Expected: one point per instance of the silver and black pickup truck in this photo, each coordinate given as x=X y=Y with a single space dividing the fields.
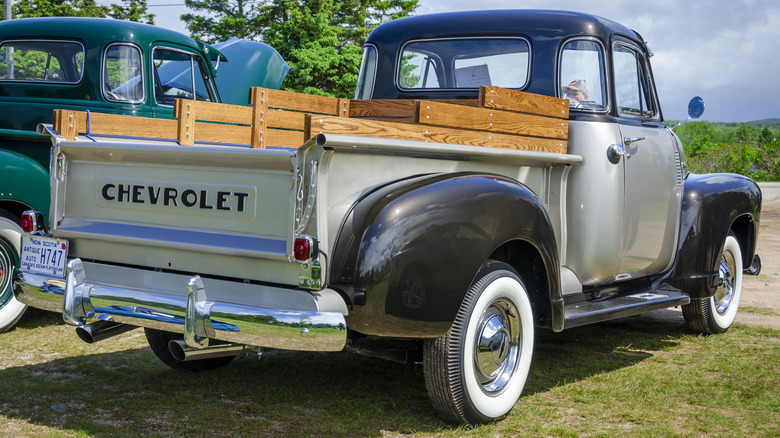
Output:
x=498 y=173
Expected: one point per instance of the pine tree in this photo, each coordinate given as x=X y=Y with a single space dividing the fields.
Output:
x=321 y=39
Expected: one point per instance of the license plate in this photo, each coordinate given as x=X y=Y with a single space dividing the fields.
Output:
x=44 y=255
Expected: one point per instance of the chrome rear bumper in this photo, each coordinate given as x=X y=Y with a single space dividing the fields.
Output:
x=247 y=314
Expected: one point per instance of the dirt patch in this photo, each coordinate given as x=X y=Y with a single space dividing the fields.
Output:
x=761 y=294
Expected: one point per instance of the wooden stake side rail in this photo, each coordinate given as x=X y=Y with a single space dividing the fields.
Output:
x=501 y=118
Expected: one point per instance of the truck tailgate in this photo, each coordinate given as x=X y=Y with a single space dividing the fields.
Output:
x=217 y=210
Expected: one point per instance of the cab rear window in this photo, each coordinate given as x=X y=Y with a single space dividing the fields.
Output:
x=41 y=61
x=464 y=63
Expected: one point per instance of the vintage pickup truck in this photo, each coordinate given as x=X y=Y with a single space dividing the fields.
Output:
x=101 y=65
x=498 y=173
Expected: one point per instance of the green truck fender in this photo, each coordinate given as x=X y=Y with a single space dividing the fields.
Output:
x=23 y=182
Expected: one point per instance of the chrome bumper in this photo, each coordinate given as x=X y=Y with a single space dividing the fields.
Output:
x=247 y=314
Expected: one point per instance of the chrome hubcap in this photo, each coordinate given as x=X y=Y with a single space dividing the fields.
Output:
x=497 y=346
x=724 y=294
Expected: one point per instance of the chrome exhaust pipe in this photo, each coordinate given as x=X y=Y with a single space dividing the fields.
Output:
x=97 y=331
x=183 y=353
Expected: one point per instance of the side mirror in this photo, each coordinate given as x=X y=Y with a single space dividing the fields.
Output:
x=695 y=110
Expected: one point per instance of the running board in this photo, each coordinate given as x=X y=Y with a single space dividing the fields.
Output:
x=589 y=312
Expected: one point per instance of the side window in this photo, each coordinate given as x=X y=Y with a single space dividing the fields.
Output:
x=123 y=79
x=179 y=74
x=365 y=86
x=582 y=75
x=632 y=83
x=41 y=61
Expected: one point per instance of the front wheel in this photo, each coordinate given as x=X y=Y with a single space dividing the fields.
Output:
x=717 y=313
x=476 y=372
x=10 y=235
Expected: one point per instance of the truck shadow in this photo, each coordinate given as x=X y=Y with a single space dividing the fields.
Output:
x=130 y=393
x=34 y=318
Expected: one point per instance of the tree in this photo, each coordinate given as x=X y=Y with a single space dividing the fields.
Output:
x=59 y=8
x=133 y=10
x=766 y=137
x=321 y=39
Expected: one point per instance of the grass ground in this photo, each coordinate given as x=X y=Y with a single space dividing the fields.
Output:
x=636 y=376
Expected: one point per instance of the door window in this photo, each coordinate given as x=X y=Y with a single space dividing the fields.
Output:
x=179 y=74
x=632 y=83
x=582 y=75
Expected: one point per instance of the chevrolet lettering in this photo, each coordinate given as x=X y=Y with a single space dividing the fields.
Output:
x=141 y=194
x=460 y=204
x=175 y=196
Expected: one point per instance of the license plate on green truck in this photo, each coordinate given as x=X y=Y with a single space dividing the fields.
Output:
x=43 y=255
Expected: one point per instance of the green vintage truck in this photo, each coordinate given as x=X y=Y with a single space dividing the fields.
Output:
x=103 y=65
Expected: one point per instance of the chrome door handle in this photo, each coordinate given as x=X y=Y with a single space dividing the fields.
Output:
x=629 y=140
x=615 y=151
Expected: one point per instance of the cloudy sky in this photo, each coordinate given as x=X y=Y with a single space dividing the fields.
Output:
x=724 y=51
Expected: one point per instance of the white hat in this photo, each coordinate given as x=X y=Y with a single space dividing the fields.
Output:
x=578 y=85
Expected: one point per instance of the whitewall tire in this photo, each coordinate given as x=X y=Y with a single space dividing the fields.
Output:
x=10 y=309
x=476 y=372
x=717 y=313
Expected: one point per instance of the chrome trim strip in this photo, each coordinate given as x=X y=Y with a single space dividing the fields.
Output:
x=348 y=143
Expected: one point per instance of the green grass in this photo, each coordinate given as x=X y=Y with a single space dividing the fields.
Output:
x=759 y=310
x=636 y=377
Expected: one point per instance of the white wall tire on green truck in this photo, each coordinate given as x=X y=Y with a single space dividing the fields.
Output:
x=476 y=372
x=10 y=309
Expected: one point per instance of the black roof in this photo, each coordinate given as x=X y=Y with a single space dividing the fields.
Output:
x=529 y=22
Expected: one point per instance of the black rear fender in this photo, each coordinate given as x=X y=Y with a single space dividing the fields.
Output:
x=409 y=252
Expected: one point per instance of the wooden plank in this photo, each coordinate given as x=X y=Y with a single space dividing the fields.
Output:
x=396 y=108
x=259 y=117
x=286 y=119
x=219 y=133
x=285 y=139
x=491 y=120
x=218 y=112
x=66 y=123
x=519 y=101
x=185 y=133
x=114 y=124
x=299 y=101
x=434 y=134
x=382 y=108
x=343 y=108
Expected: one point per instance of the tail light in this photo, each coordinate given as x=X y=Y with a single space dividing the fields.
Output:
x=32 y=221
x=304 y=249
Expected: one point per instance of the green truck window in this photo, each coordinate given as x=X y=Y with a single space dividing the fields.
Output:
x=41 y=61
x=122 y=73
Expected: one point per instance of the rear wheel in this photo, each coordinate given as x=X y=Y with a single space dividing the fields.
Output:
x=10 y=234
x=717 y=313
x=476 y=372
x=159 y=340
